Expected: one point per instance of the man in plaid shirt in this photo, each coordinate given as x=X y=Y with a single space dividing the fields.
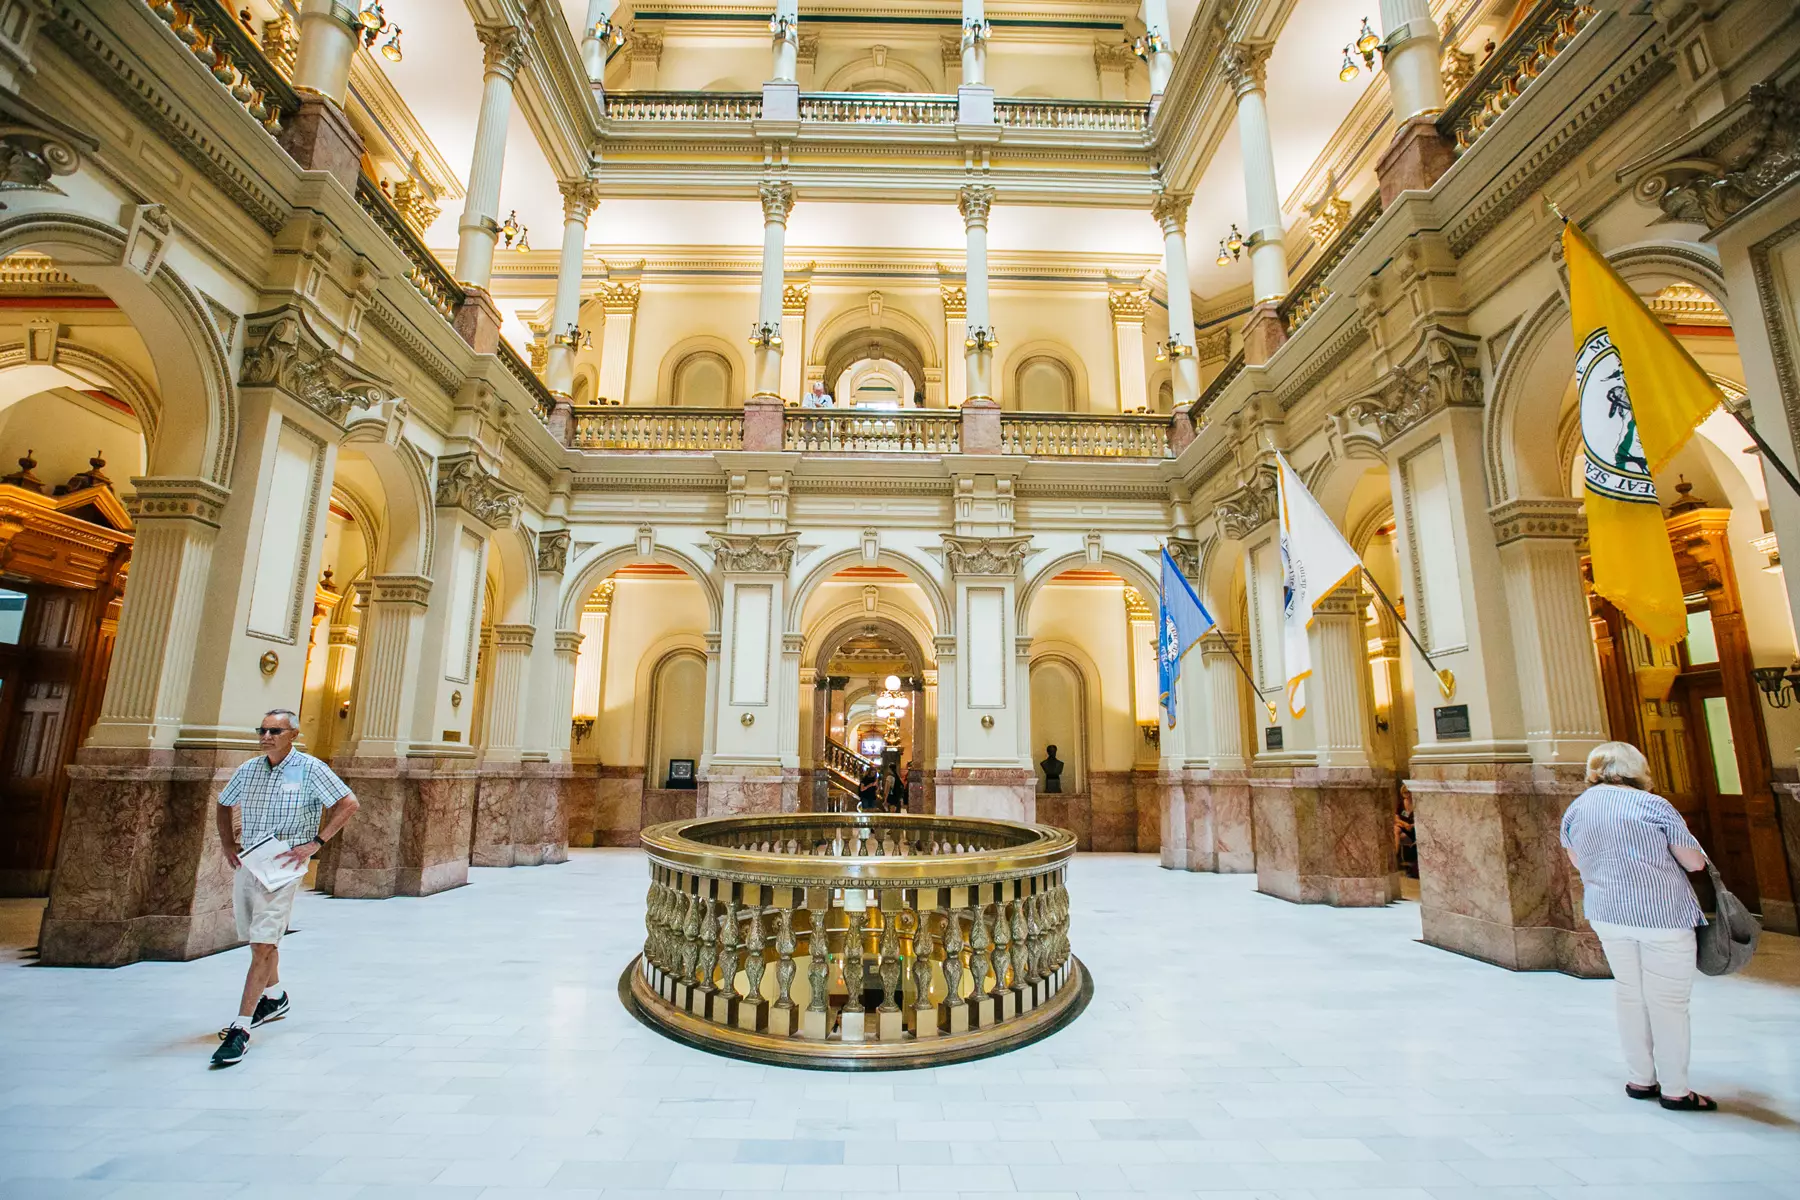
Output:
x=281 y=793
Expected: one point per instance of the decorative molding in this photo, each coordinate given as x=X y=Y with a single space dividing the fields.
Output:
x=1213 y=345
x=754 y=554
x=181 y=498
x=599 y=601
x=1557 y=520
x=986 y=556
x=620 y=297
x=1242 y=512
x=387 y=319
x=956 y=301
x=286 y=353
x=974 y=201
x=1731 y=162
x=580 y=198
x=502 y=50
x=463 y=482
x=1244 y=64
x=35 y=147
x=1330 y=218
x=400 y=589
x=1128 y=304
x=1114 y=56
x=1185 y=552
x=1772 y=298
x=793 y=299
x=1440 y=375
x=1170 y=209
x=553 y=551
x=1137 y=609
x=777 y=201
x=1683 y=303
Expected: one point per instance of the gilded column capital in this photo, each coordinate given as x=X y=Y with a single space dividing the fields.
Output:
x=973 y=202
x=1128 y=304
x=580 y=198
x=502 y=50
x=599 y=601
x=793 y=299
x=1245 y=65
x=1170 y=210
x=1137 y=609
x=777 y=200
x=956 y=300
x=621 y=297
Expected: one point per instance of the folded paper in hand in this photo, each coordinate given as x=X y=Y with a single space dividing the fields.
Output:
x=260 y=861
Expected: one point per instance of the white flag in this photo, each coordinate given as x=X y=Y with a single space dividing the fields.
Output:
x=1315 y=559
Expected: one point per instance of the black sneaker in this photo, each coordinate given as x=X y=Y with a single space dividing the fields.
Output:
x=269 y=1010
x=237 y=1041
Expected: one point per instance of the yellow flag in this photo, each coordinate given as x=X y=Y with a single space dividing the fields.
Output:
x=1640 y=396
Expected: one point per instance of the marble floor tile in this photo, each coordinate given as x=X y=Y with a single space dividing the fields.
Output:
x=470 y=1046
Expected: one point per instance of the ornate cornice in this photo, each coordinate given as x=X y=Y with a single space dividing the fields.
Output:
x=1553 y=520
x=284 y=352
x=986 y=556
x=1441 y=375
x=462 y=482
x=1755 y=153
x=754 y=554
x=1243 y=512
x=553 y=551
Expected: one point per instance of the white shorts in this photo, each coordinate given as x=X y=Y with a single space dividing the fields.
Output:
x=262 y=915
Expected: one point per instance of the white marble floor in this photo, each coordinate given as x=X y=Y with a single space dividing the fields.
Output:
x=472 y=1045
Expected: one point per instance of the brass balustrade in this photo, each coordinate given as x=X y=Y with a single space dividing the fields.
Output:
x=541 y=399
x=214 y=36
x=1217 y=387
x=1087 y=435
x=1091 y=116
x=877 y=108
x=856 y=940
x=1311 y=291
x=831 y=431
x=658 y=429
x=424 y=271
x=683 y=106
x=1514 y=65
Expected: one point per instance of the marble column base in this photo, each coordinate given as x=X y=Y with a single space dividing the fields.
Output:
x=1004 y=793
x=1147 y=791
x=1416 y=158
x=1227 y=805
x=139 y=870
x=518 y=815
x=730 y=794
x=621 y=808
x=1072 y=811
x=1265 y=332
x=581 y=804
x=1112 y=814
x=320 y=137
x=1324 y=836
x=1494 y=882
x=413 y=832
x=664 y=804
x=1172 y=810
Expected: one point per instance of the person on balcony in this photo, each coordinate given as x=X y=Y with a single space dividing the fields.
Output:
x=816 y=396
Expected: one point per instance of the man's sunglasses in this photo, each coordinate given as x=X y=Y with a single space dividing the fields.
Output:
x=271 y=731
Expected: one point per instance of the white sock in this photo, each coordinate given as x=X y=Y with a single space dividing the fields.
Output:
x=274 y=991
x=242 y=1020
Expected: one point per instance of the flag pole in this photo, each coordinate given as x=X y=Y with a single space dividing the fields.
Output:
x=1446 y=678
x=1251 y=679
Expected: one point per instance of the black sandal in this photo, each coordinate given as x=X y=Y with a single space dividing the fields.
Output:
x=1653 y=1092
x=1692 y=1102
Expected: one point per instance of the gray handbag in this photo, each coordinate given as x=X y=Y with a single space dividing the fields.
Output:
x=1723 y=946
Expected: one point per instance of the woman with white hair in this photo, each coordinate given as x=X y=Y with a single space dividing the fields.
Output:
x=1633 y=852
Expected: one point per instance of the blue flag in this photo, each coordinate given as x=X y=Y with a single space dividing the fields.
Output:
x=1184 y=622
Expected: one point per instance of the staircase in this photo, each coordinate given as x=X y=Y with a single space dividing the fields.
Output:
x=844 y=769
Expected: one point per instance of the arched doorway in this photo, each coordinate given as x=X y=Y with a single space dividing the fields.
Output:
x=868 y=716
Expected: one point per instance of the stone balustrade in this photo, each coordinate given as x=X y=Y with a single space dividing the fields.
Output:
x=1312 y=291
x=857 y=939
x=880 y=108
x=683 y=106
x=1054 y=435
x=827 y=431
x=1086 y=116
x=1527 y=52
x=860 y=108
x=615 y=429
x=215 y=37
x=424 y=271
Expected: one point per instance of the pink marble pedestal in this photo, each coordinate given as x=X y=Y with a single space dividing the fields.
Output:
x=1324 y=836
x=412 y=835
x=1494 y=882
x=519 y=815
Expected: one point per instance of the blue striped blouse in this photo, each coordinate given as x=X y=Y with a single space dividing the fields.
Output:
x=1621 y=838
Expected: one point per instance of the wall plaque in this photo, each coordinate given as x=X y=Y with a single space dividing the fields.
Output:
x=1452 y=722
x=1272 y=738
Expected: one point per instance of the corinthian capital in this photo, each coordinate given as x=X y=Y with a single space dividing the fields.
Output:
x=580 y=198
x=973 y=202
x=502 y=49
x=777 y=200
x=1170 y=210
x=1243 y=63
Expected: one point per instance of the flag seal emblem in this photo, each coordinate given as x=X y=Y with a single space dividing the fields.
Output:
x=1614 y=462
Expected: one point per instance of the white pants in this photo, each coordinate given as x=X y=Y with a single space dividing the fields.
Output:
x=1653 y=971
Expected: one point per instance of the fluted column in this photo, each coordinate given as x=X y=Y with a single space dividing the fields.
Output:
x=590 y=666
x=593 y=46
x=1159 y=45
x=562 y=700
x=580 y=198
x=327 y=45
x=509 y=663
x=503 y=51
x=1128 y=306
x=1411 y=52
x=1224 y=702
x=1244 y=64
x=1551 y=640
x=386 y=672
x=159 y=625
x=1339 y=686
x=777 y=203
x=1170 y=210
x=973 y=202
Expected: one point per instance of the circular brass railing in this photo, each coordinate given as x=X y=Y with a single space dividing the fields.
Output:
x=856 y=940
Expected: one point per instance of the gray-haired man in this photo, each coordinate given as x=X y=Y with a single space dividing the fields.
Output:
x=281 y=793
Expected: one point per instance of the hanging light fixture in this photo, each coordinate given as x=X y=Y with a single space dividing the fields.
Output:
x=1348 y=71
x=374 y=22
x=1235 y=243
x=514 y=236
x=1366 y=42
x=606 y=31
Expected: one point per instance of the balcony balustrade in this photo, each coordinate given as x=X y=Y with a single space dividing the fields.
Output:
x=637 y=429
x=828 y=432
x=857 y=940
x=215 y=37
x=683 y=106
x=1087 y=116
x=880 y=108
x=1311 y=291
x=1515 y=64
x=1055 y=435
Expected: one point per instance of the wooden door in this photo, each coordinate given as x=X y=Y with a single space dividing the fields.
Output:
x=1713 y=749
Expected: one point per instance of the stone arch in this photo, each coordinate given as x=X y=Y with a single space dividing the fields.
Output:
x=850 y=334
x=406 y=530
x=364 y=511
x=512 y=555
x=101 y=370
x=886 y=74
x=915 y=571
x=1077 y=662
x=701 y=343
x=1533 y=377
x=197 y=424
x=651 y=679
x=596 y=563
x=1131 y=572
x=582 y=393
x=839 y=624
x=1045 y=350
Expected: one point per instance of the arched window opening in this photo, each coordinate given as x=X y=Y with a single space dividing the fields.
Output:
x=703 y=380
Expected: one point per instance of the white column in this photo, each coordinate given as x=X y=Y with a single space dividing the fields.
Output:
x=1224 y=702
x=388 y=665
x=327 y=44
x=793 y=339
x=1156 y=33
x=510 y=664
x=974 y=44
x=619 y=301
x=1170 y=210
x=973 y=202
x=1411 y=51
x=580 y=198
x=593 y=48
x=786 y=41
x=1552 y=642
x=503 y=50
x=777 y=203
x=1339 y=684
x=562 y=692
x=1244 y=63
x=956 y=331
x=590 y=667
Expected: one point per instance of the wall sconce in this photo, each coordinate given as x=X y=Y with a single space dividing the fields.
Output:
x=1231 y=247
x=1151 y=43
x=981 y=337
x=784 y=29
x=373 y=24
x=514 y=236
x=1152 y=734
x=1366 y=44
x=1172 y=349
x=606 y=31
x=1779 y=684
x=581 y=727
x=575 y=339
x=766 y=335
x=976 y=31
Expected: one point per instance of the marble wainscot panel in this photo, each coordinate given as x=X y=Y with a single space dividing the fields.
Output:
x=1325 y=836
x=1006 y=793
x=139 y=871
x=1147 y=790
x=1233 y=827
x=413 y=833
x=1070 y=811
x=621 y=806
x=499 y=792
x=581 y=804
x=434 y=837
x=667 y=804
x=1494 y=881
x=1113 y=816
x=728 y=792
x=1172 y=809
x=539 y=830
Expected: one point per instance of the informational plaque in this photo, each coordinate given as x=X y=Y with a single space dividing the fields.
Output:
x=1452 y=722
x=1272 y=738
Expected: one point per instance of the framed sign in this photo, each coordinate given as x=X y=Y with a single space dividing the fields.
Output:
x=1273 y=738
x=1452 y=722
x=681 y=773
